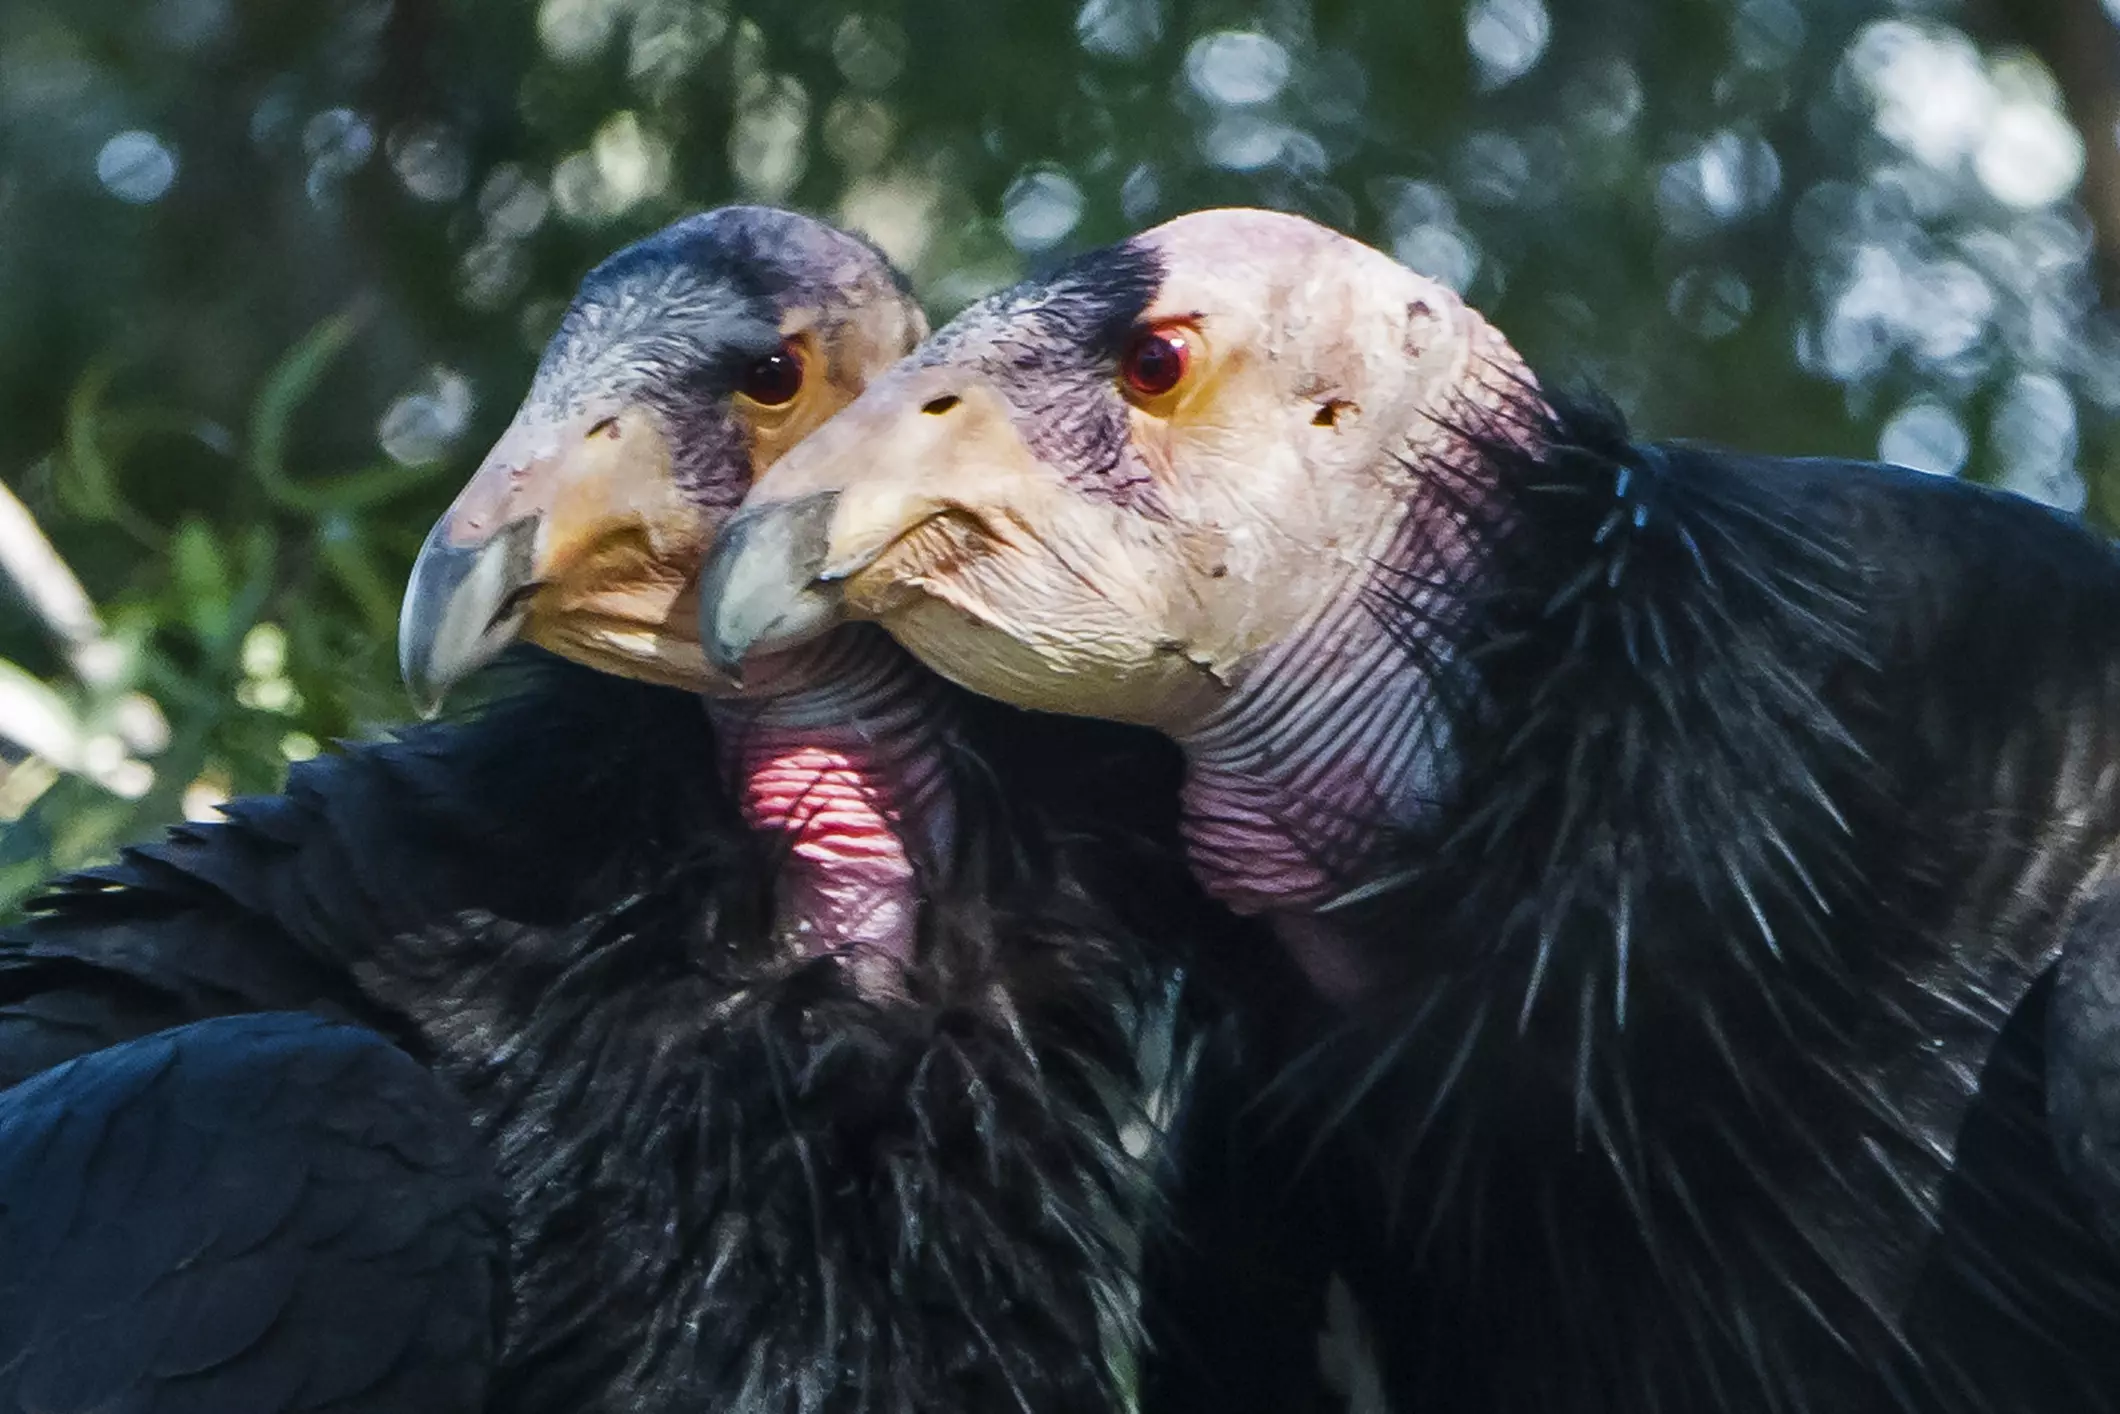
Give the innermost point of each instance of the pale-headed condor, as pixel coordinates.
(770, 1052)
(1680, 844)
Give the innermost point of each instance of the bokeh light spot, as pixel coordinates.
(1507, 38)
(1140, 194)
(1243, 142)
(1491, 168)
(858, 132)
(136, 167)
(1119, 29)
(338, 142)
(897, 212)
(576, 31)
(1440, 252)
(420, 426)
(767, 150)
(1727, 178)
(1237, 68)
(429, 161)
(1925, 436)
(2031, 156)
(1931, 93)
(671, 38)
(869, 50)
(513, 204)
(1040, 208)
(2034, 438)
(632, 163)
(1710, 303)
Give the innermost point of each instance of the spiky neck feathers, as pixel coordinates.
(1330, 745)
(1340, 741)
(1557, 612)
(840, 766)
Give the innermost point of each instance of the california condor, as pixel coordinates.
(1679, 844)
(675, 1052)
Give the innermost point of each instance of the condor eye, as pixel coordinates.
(1155, 362)
(774, 379)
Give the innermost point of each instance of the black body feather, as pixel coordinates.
(1712, 1070)
(247, 1213)
(731, 1182)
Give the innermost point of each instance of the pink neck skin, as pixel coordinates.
(1330, 743)
(1290, 787)
(839, 760)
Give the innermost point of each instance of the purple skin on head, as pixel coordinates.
(687, 364)
(1164, 486)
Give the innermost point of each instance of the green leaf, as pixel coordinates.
(88, 481)
(199, 569)
(346, 554)
(292, 382)
(97, 440)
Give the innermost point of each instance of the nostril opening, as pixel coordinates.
(938, 406)
(517, 600)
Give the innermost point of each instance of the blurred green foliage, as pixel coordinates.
(271, 274)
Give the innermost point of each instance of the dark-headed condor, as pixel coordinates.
(654, 1052)
(1679, 845)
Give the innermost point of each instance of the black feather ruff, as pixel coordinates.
(733, 1182)
(1689, 1086)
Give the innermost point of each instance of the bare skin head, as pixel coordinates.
(1017, 504)
(1157, 488)
(687, 365)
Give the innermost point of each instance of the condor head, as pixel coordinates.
(1122, 490)
(687, 364)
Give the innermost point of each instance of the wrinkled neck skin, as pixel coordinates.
(1332, 743)
(838, 759)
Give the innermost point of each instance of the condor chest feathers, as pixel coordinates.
(1668, 849)
(1713, 1070)
(732, 1180)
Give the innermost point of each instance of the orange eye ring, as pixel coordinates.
(774, 380)
(1156, 361)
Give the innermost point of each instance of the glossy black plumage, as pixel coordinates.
(1712, 1068)
(730, 1180)
(185, 1214)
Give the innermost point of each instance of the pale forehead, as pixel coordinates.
(1268, 271)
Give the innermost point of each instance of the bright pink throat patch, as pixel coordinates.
(838, 812)
(830, 808)
(839, 770)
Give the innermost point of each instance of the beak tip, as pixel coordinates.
(726, 637)
(454, 619)
(724, 655)
(426, 699)
(758, 589)
(413, 662)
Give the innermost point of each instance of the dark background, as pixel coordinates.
(272, 273)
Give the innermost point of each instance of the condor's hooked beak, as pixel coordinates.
(572, 535)
(923, 507)
(465, 603)
(834, 529)
(1124, 492)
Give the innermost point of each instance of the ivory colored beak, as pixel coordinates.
(464, 604)
(571, 534)
(763, 587)
(795, 560)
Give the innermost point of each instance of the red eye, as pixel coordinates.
(1155, 361)
(774, 379)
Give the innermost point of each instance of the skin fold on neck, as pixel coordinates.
(838, 760)
(1332, 744)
